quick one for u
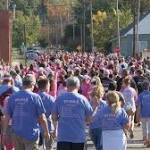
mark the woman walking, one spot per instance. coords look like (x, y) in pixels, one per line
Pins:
(114, 121)
(96, 95)
(130, 96)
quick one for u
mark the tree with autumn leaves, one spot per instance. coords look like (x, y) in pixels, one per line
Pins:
(105, 18)
(62, 18)
(105, 25)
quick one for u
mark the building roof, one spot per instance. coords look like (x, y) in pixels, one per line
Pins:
(144, 24)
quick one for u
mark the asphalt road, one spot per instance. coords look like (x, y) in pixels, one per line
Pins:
(133, 144)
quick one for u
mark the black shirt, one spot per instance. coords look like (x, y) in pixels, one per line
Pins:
(139, 80)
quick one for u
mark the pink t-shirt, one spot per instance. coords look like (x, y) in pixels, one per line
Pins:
(85, 88)
(130, 96)
(53, 92)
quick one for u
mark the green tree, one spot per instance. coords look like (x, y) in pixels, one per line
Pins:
(104, 24)
(28, 6)
(3, 4)
(106, 29)
(26, 29)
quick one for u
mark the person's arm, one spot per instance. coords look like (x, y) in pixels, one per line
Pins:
(88, 120)
(55, 114)
(88, 112)
(40, 110)
(125, 121)
(7, 114)
(138, 104)
(5, 123)
(43, 122)
(126, 126)
(138, 117)
(55, 120)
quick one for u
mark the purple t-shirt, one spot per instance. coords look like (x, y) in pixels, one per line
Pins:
(48, 102)
(112, 121)
(25, 108)
(144, 103)
(72, 110)
(95, 122)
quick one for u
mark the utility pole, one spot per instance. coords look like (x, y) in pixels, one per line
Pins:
(61, 25)
(73, 28)
(73, 22)
(48, 35)
(136, 7)
(118, 25)
(7, 4)
(24, 32)
(25, 42)
(84, 23)
(14, 11)
(92, 34)
(81, 36)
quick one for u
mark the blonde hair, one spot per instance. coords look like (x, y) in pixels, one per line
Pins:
(113, 100)
(97, 80)
(98, 90)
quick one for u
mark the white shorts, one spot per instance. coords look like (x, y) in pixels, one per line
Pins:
(114, 140)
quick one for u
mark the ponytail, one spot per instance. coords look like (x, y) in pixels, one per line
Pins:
(113, 101)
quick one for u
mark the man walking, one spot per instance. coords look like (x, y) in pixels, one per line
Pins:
(144, 111)
(48, 102)
(26, 111)
(71, 110)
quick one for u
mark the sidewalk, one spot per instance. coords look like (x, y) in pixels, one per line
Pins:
(137, 143)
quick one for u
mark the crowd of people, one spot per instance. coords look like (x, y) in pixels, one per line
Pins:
(60, 94)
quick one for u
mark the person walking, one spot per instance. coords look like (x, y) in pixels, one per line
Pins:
(130, 97)
(1, 125)
(6, 90)
(71, 111)
(26, 111)
(97, 103)
(48, 102)
(114, 120)
(144, 111)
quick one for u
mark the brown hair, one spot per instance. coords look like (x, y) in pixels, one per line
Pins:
(42, 83)
(127, 80)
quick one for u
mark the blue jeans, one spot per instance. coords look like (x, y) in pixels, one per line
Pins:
(96, 137)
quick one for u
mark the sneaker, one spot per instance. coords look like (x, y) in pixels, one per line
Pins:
(139, 124)
(131, 135)
(148, 145)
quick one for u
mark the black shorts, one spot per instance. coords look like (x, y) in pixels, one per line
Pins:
(70, 146)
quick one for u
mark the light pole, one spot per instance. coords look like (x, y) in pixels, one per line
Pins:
(84, 25)
(73, 29)
(137, 28)
(73, 22)
(118, 25)
(7, 4)
(14, 11)
(92, 34)
(136, 4)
